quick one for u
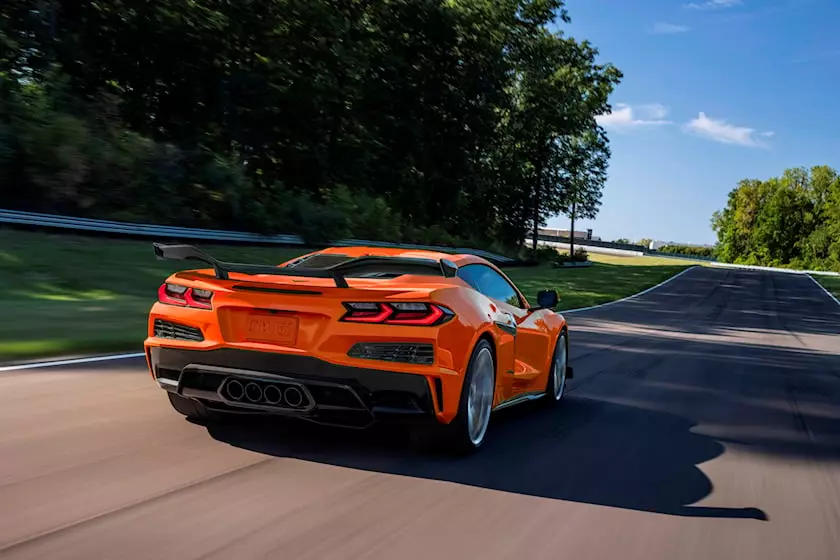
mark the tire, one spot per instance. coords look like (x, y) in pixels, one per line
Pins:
(466, 433)
(191, 408)
(556, 386)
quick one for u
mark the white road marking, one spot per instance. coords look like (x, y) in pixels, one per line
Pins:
(630, 297)
(72, 361)
(823, 288)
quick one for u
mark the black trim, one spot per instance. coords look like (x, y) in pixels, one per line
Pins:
(506, 327)
(177, 331)
(384, 395)
(439, 392)
(244, 288)
(338, 272)
(405, 352)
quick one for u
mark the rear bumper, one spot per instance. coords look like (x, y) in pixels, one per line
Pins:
(331, 394)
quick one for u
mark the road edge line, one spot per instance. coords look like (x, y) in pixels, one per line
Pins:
(823, 288)
(71, 361)
(667, 280)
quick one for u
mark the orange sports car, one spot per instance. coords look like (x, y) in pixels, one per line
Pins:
(353, 335)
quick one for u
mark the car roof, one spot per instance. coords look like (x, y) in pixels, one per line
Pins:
(359, 251)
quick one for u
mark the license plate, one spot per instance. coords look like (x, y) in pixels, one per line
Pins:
(279, 330)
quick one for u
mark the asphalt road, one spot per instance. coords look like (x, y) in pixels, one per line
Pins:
(703, 423)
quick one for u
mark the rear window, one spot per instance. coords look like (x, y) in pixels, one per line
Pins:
(319, 260)
(382, 269)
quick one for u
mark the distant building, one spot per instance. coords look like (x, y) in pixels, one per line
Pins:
(579, 234)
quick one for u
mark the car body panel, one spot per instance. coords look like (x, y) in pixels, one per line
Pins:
(260, 317)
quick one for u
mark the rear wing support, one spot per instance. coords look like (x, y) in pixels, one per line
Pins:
(337, 272)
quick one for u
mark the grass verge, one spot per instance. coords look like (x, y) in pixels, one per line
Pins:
(608, 279)
(830, 283)
(66, 294)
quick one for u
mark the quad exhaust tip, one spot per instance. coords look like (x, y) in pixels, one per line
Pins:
(235, 390)
(293, 397)
(272, 394)
(265, 393)
(253, 392)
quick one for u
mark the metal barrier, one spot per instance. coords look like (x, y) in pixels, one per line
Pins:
(31, 219)
(583, 242)
(773, 269)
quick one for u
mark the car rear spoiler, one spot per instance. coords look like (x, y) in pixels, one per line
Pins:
(337, 272)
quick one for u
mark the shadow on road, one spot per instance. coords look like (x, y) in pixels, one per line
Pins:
(745, 358)
(585, 451)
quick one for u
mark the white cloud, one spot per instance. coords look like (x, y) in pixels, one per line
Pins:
(662, 28)
(713, 4)
(725, 133)
(625, 117)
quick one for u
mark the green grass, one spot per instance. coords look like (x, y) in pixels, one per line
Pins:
(64, 294)
(831, 283)
(608, 279)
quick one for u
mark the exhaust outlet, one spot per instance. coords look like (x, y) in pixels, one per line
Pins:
(272, 394)
(293, 396)
(235, 390)
(253, 392)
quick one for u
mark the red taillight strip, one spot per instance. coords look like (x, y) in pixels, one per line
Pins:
(388, 315)
(165, 297)
(430, 317)
(192, 302)
(188, 300)
(384, 312)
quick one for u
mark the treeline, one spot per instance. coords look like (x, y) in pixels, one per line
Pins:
(689, 250)
(788, 221)
(436, 121)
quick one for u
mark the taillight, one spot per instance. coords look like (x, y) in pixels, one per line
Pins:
(199, 298)
(175, 294)
(397, 313)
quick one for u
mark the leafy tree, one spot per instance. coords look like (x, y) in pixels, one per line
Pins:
(792, 220)
(409, 119)
(582, 175)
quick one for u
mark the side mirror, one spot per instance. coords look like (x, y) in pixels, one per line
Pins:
(547, 299)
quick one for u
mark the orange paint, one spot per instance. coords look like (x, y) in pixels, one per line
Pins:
(308, 323)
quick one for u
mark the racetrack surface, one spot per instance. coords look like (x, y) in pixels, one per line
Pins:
(703, 423)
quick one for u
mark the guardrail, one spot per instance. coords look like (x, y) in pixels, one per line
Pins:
(583, 242)
(15, 217)
(592, 248)
(615, 248)
(773, 269)
(32, 219)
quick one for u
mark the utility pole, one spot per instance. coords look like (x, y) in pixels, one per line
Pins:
(572, 237)
(537, 192)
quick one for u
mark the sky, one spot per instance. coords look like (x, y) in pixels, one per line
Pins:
(714, 91)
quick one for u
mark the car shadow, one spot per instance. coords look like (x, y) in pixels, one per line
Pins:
(584, 450)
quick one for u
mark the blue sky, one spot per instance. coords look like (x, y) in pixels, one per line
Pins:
(714, 91)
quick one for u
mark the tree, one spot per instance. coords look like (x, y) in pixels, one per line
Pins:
(792, 220)
(584, 171)
(564, 90)
(440, 117)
